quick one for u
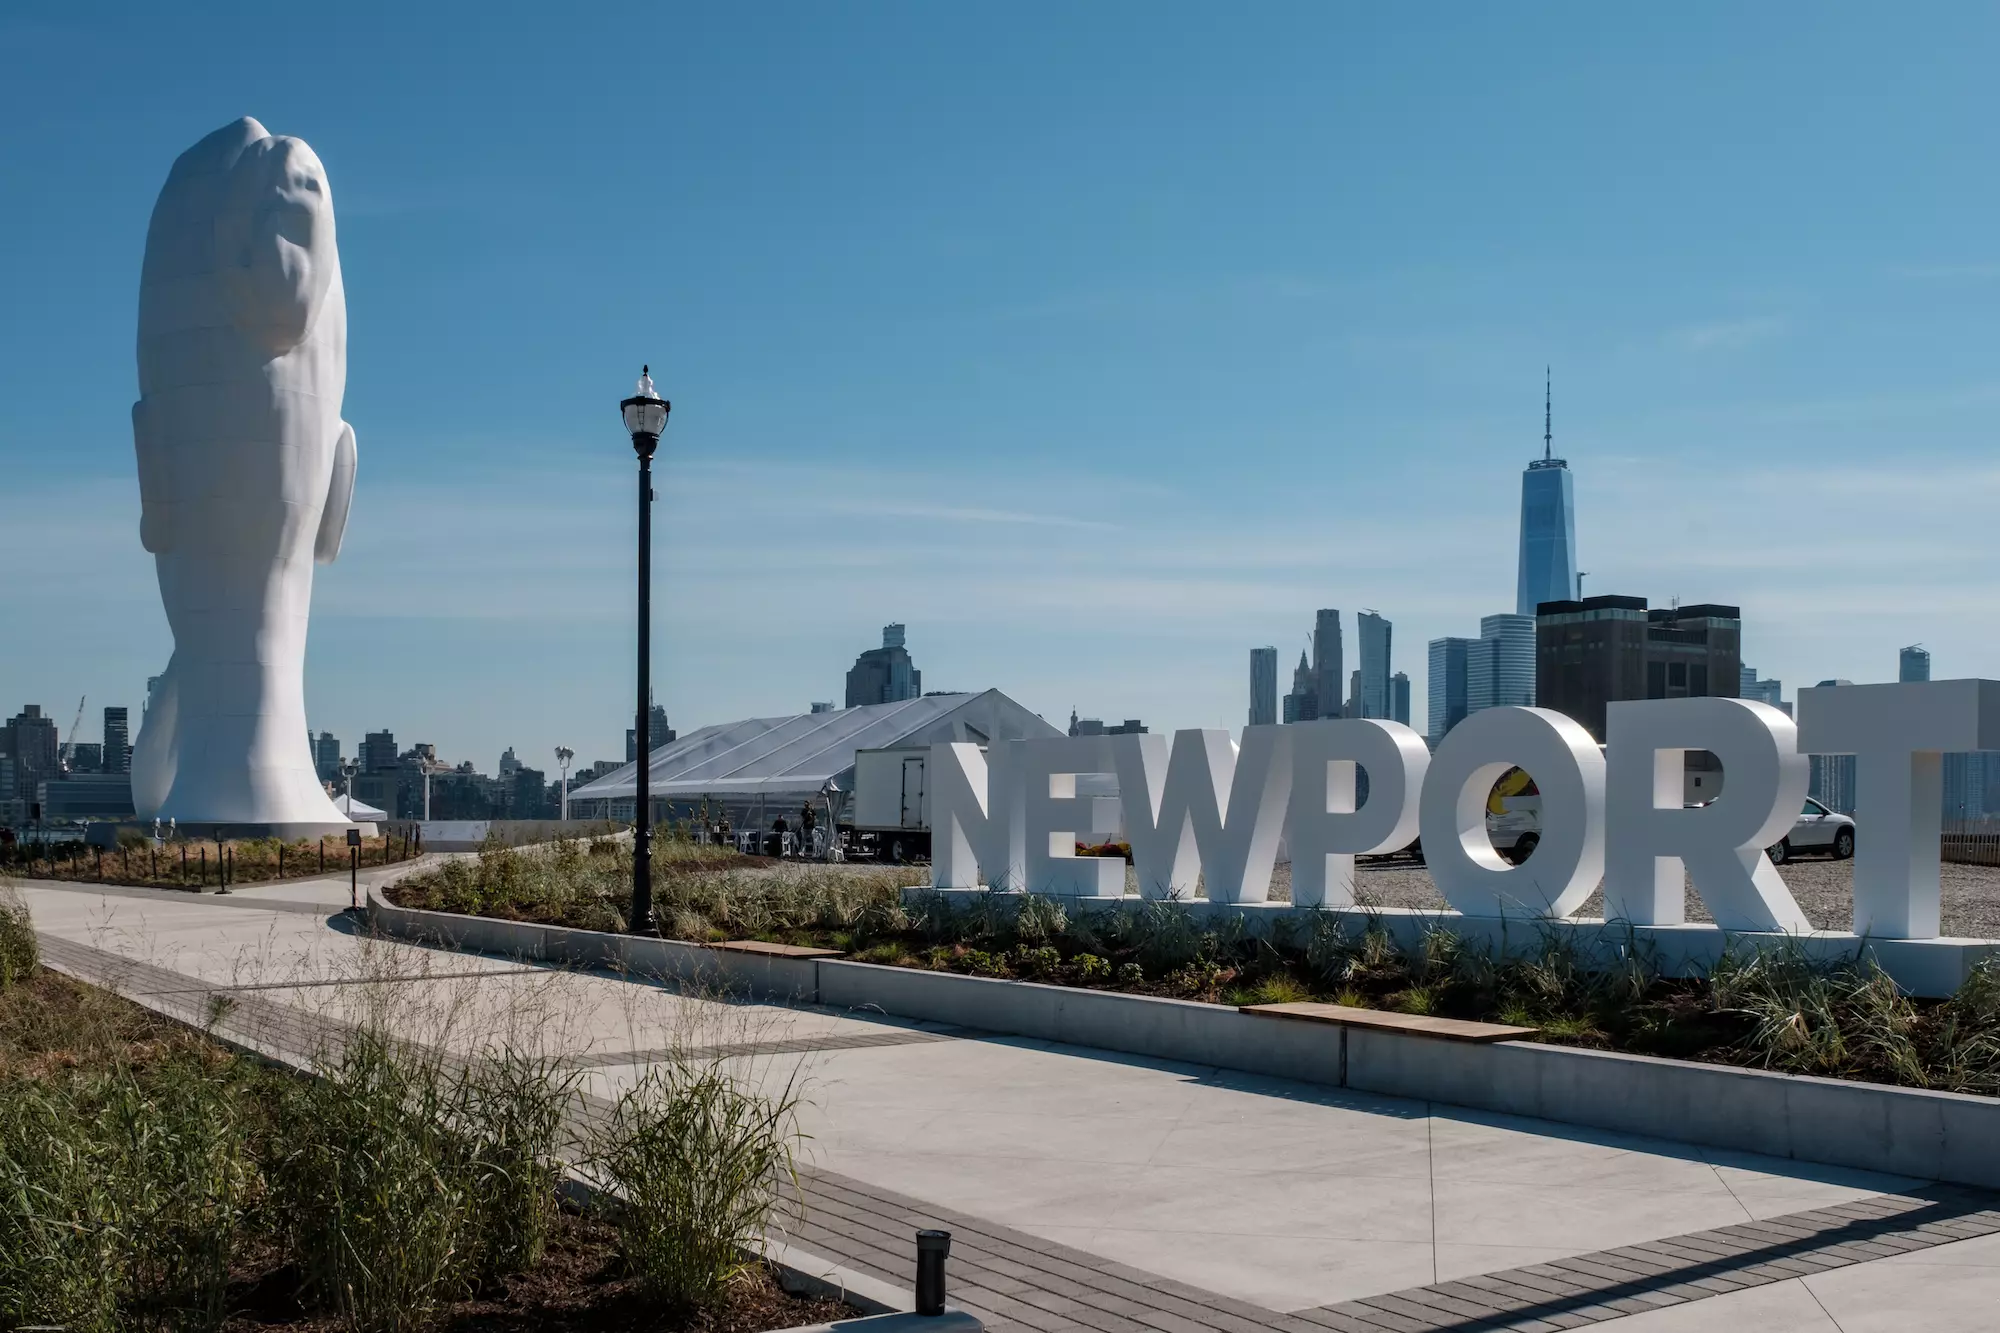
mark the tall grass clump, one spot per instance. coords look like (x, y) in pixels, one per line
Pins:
(124, 1196)
(373, 1185)
(60, 1246)
(19, 954)
(696, 1160)
(512, 1108)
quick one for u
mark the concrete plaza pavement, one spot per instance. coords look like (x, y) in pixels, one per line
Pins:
(1275, 1196)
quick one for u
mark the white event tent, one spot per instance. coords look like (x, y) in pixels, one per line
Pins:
(763, 767)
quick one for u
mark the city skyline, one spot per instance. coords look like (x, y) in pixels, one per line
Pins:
(951, 403)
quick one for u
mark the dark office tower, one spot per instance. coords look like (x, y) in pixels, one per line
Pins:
(378, 752)
(1302, 704)
(1327, 673)
(884, 675)
(1913, 663)
(1263, 686)
(117, 741)
(1399, 698)
(1604, 650)
(1548, 527)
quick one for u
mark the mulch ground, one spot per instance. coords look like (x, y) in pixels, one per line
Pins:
(577, 1286)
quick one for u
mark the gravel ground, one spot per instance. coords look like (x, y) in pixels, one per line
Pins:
(1824, 889)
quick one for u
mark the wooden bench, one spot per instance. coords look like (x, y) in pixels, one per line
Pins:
(1416, 1025)
(775, 950)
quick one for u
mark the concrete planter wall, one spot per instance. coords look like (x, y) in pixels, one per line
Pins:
(1905, 1131)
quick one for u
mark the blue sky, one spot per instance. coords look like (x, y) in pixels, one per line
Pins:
(1097, 343)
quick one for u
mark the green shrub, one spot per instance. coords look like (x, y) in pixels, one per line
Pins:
(695, 1160)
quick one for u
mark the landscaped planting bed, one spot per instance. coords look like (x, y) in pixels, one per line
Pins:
(151, 1178)
(1773, 1008)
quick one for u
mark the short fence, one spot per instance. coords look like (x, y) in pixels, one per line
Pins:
(187, 863)
(1971, 842)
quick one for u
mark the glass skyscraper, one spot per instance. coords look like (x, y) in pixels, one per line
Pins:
(1374, 633)
(1502, 673)
(1548, 528)
(1263, 686)
(1447, 684)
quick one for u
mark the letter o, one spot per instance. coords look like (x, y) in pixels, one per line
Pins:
(1568, 770)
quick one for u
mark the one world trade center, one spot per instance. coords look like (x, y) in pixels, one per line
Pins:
(1548, 527)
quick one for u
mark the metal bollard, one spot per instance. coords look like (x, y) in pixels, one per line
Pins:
(932, 1248)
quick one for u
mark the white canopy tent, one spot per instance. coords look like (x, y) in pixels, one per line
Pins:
(759, 768)
(360, 812)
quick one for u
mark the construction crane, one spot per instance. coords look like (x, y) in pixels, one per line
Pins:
(69, 746)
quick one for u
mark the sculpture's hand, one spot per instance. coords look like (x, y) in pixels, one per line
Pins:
(156, 513)
(339, 495)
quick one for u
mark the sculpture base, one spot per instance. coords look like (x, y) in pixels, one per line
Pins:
(107, 834)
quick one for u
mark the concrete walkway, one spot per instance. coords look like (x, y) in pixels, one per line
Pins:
(1234, 1200)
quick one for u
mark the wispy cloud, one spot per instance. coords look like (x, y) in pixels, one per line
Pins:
(1947, 272)
(1730, 335)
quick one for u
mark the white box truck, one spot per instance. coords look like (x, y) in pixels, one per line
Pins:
(892, 808)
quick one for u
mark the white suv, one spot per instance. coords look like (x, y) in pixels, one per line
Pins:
(1817, 829)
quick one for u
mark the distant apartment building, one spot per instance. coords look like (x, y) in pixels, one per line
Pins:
(29, 739)
(1468, 676)
(1750, 686)
(1095, 726)
(86, 757)
(658, 733)
(884, 675)
(117, 741)
(1913, 663)
(326, 757)
(1263, 686)
(1832, 776)
(1592, 653)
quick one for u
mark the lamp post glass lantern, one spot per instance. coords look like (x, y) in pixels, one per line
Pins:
(563, 755)
(645, 420)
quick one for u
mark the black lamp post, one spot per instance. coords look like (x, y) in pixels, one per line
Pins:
(646, 418)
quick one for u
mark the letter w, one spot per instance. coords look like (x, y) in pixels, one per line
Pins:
(1175, 803)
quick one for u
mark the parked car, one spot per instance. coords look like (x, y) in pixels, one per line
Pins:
(1817, 829)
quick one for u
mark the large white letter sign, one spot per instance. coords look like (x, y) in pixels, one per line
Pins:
(1205, 808)
(1327, 832)
(1568, 771)
(1650, 836)
(1057, 818)
(975, 820)
(1899, 735)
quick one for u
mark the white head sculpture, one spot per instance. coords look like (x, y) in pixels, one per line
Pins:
(245, 473)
